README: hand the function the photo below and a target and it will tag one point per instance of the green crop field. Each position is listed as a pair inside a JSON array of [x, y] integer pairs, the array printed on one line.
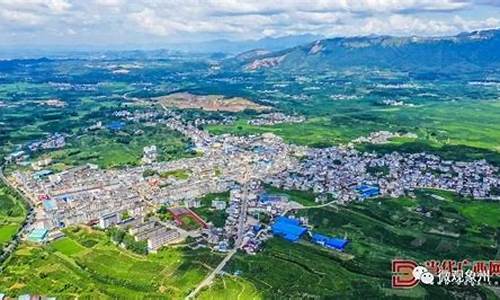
[[12, 214], [226, 287], [72, 267]]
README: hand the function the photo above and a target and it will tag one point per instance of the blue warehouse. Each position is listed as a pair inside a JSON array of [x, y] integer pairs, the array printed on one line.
[[329, 242], [288, 228], [367, 191]]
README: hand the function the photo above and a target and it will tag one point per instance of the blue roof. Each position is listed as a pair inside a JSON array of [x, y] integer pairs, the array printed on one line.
[[288, 229], [263, 198], [116, 125], [329, 241], [49, 204], [38, 235], [42, 173], [367, 188]]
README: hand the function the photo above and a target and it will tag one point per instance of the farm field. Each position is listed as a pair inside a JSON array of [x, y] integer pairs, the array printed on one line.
[[12, 214], [80, 265]]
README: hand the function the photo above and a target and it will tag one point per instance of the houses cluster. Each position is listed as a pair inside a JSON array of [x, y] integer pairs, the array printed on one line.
[[54, 141], [275, 118], [393, 102], [137, 115], [150, 154], [89, 195], [345, 174], [382, 137]]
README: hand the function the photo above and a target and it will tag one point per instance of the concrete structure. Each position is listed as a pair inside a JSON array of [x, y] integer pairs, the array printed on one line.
[[108, 220], [150, 155], [161, 237]]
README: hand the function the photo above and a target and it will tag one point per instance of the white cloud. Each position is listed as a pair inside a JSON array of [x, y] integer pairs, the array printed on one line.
[[240, 19]]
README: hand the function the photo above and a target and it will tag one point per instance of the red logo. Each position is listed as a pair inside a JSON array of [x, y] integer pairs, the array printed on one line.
[[402, 274]]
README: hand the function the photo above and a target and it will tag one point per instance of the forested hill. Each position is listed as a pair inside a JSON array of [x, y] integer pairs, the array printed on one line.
[[466, 52]]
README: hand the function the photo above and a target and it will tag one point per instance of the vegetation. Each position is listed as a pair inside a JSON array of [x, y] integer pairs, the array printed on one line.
[[67, 268], [209, 214], [12, 214], [121, 237], [180, 174]]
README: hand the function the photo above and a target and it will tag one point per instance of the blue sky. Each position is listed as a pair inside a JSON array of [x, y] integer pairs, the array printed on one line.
[[121, 23]]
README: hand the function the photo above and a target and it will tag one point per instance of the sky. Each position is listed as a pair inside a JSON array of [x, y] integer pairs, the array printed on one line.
[[153, 23]]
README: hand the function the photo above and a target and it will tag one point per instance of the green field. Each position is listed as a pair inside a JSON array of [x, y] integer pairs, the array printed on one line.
[[75, 266], [177, 174], [12, 214], [227, 287], [108, 149], [209, 214]]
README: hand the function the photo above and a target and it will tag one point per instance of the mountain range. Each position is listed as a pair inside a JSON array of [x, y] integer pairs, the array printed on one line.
[[465, 52]]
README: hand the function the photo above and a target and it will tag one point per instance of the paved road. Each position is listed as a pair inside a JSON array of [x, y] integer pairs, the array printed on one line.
[[9, 248], [208, 280]]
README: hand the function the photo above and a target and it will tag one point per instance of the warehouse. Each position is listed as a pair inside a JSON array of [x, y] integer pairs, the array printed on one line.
[[328, 242], [288, 228]]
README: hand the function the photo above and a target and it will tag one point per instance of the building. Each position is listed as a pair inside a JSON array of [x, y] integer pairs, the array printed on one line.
[[38, 235], [368, 191], [142, 227], [266, 198], [288, 228], [328, 242], [108, 220], [219, 205], [150, 154], [161, 237], [115, 125]]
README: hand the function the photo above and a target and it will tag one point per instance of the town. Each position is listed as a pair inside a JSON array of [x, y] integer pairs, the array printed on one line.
[[241, 165]]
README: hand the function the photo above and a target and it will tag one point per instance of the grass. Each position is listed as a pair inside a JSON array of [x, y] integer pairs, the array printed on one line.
[[7, 232], [12, 214], [188, 223], [67, 269], [108, 149], [209, 214], [67, 246], [180, 174], [227, 287]]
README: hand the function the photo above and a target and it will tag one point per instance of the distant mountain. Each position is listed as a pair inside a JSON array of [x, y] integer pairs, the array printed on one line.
[[465, 52], [234, 47]]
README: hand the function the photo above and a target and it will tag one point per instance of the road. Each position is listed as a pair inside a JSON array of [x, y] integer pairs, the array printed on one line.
[[242, 217], [240, 242], [208, 280], [9, 248]]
